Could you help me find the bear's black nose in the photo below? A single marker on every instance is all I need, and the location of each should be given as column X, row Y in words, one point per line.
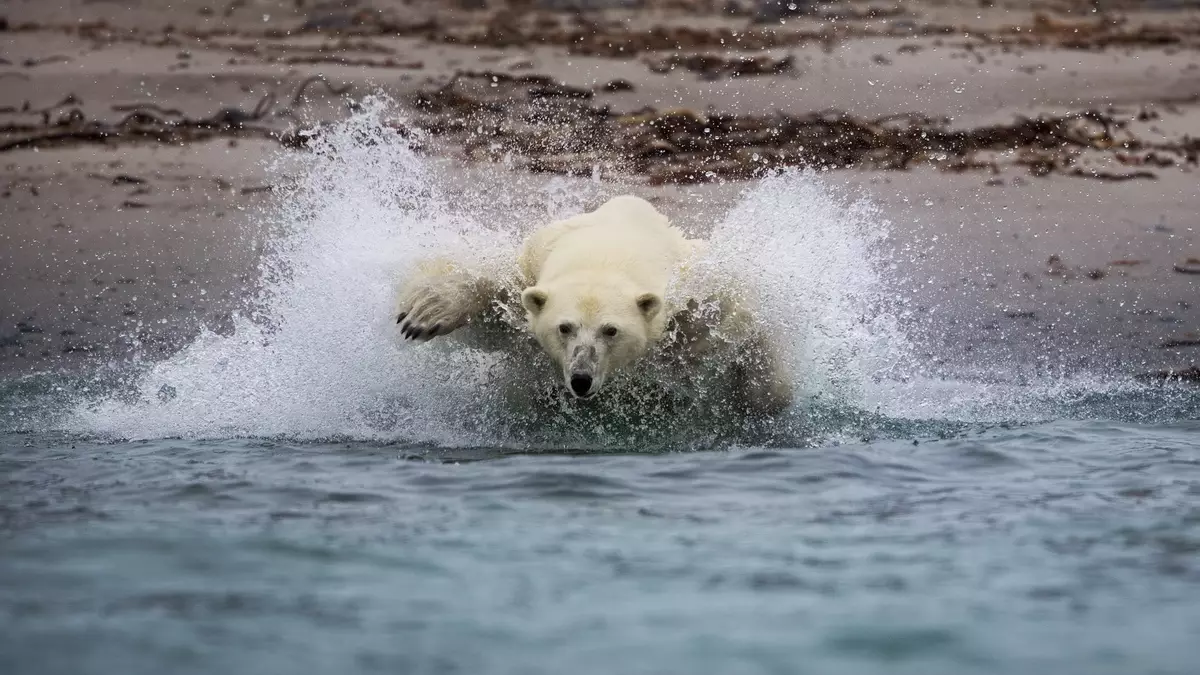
column 581, row 383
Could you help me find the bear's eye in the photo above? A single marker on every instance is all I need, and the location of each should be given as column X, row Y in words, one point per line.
column 609, row 331
column 564, row 328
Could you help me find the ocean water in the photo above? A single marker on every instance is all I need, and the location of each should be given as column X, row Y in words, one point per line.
column 307, row 494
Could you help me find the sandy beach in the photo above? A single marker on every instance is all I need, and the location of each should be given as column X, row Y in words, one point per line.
column 1037, row 161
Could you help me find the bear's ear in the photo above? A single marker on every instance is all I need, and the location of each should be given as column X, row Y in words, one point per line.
column 649, row 304
column 533, row 299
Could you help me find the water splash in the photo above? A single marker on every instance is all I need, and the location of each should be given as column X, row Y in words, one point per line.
column 814, row 259
column 317, row 357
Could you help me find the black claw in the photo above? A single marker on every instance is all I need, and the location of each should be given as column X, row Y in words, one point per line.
column 437, row 327
column 401, row 317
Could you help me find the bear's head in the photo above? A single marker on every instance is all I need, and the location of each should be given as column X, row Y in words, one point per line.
column 592, row 330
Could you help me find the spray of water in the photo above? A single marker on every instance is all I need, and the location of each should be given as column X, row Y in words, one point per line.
column 319, row 356
column 317, row 359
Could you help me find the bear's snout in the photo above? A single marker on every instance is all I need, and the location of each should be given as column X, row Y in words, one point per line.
column 581, row 384
column 581, row 374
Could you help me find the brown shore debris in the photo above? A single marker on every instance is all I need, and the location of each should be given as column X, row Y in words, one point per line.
column 715, row 66
column 1105, row 31
column 598, row 34
column 547, row 126
column 538, row 123
column 624, row 33
column 1180, row 342
column 1113, row 177
column 1190, row 374
column 65, row 123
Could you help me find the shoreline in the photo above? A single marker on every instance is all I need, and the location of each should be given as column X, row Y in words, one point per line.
column 1072, row 240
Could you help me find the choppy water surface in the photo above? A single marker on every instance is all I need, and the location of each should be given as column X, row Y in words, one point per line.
column 306, row 496
column 1067, row 547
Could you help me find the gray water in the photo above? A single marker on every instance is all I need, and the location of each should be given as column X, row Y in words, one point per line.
column 1066, row 547
column 304, row 495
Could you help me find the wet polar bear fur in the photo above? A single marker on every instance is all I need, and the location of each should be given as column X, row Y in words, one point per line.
column 594, row 288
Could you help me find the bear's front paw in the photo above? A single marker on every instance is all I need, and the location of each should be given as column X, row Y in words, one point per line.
column 430, row 312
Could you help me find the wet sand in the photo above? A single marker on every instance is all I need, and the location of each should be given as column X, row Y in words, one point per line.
column 132, row 142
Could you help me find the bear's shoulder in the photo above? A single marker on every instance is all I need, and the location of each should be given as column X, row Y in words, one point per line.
column 630, row 208
column 613, row 216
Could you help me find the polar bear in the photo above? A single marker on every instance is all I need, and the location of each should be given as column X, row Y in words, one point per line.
column 595, row 291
